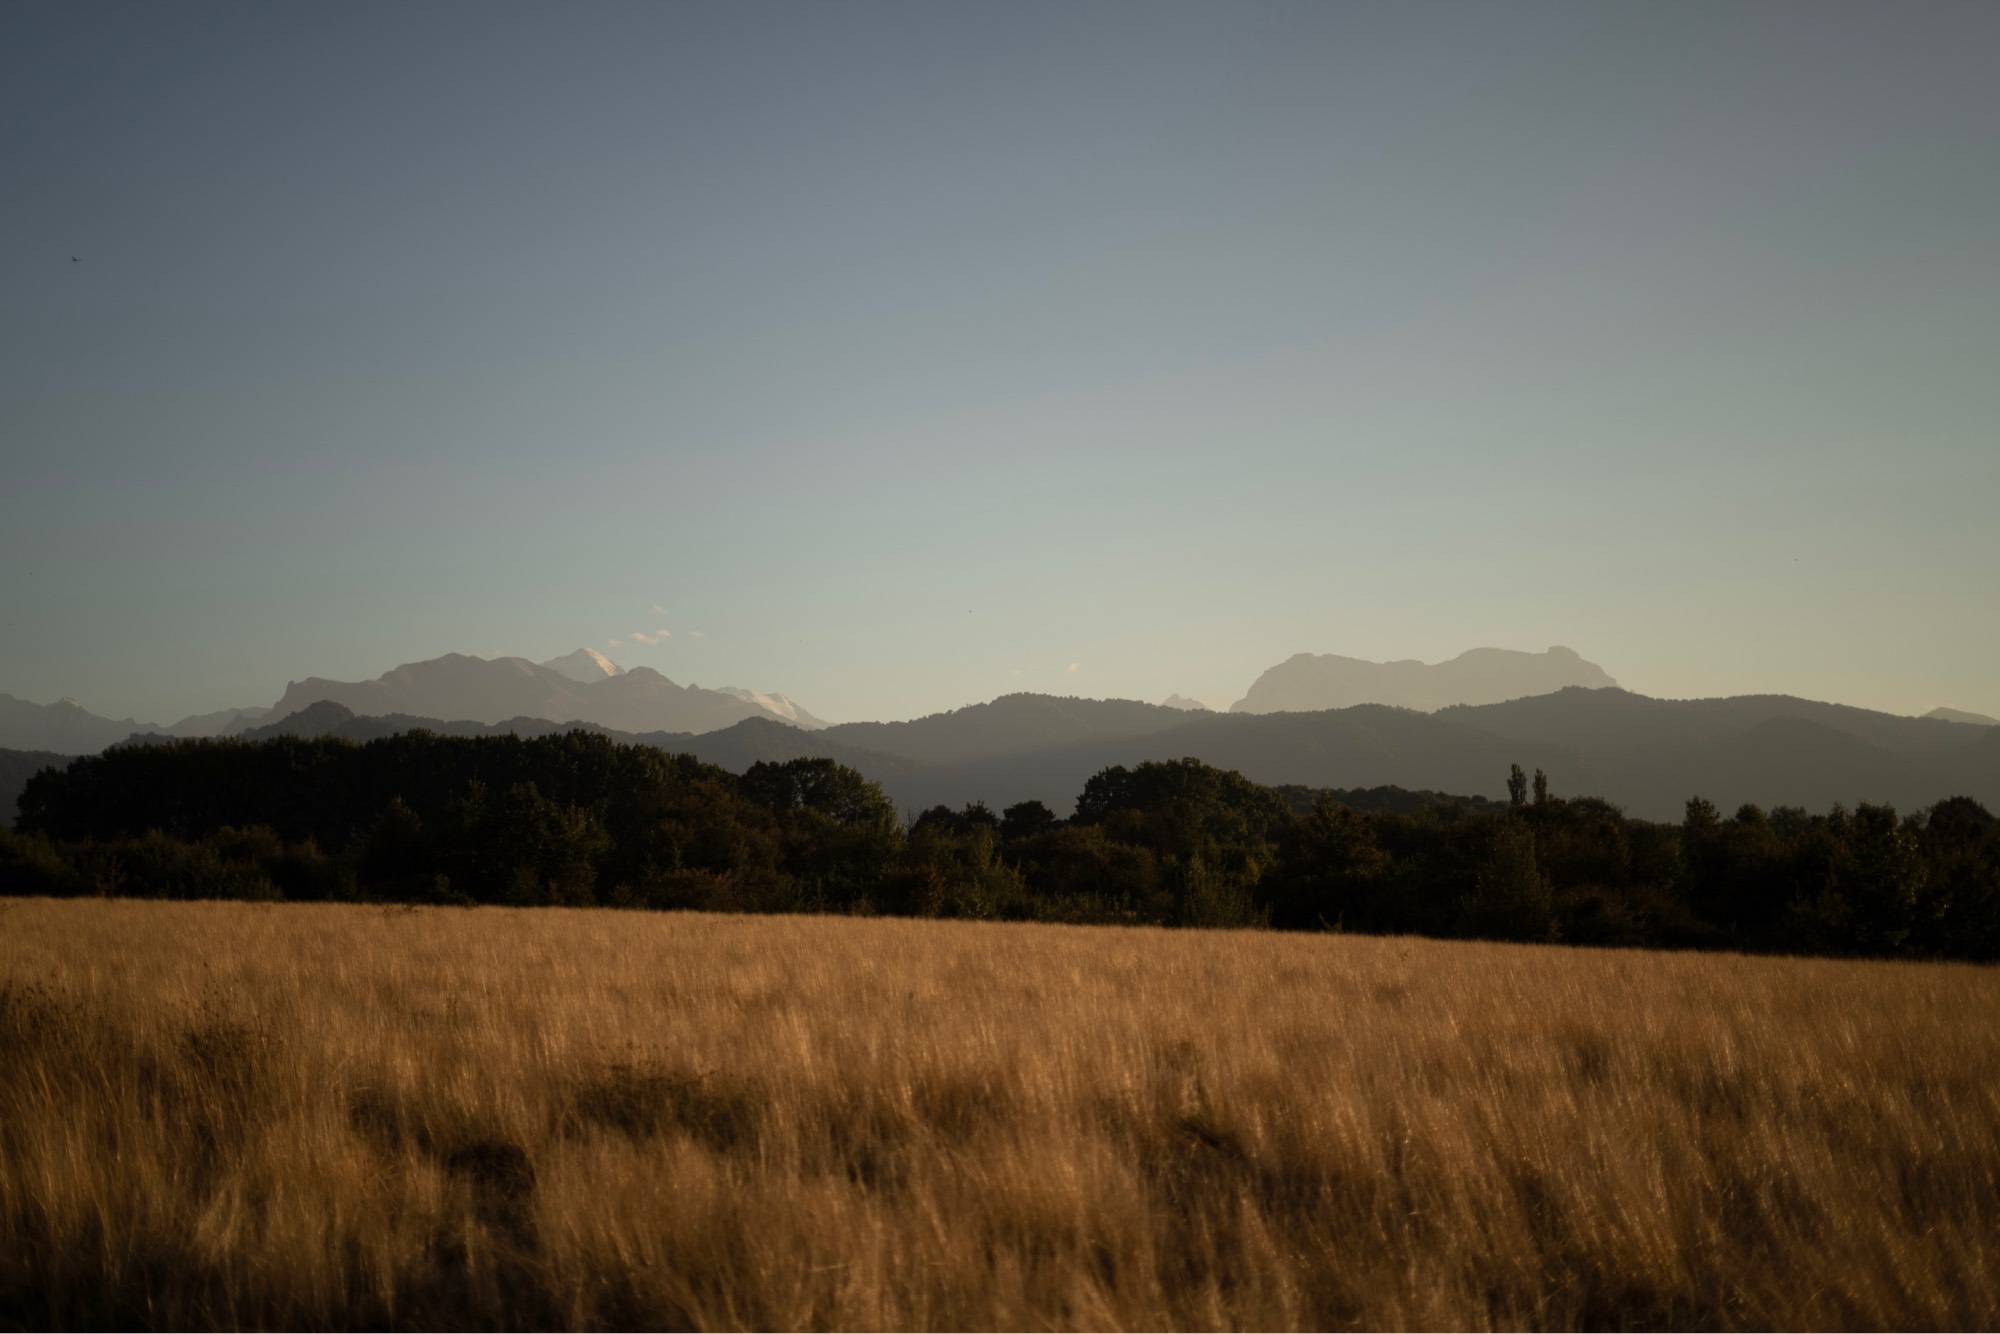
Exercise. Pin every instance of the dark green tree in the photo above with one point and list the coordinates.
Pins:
(1335, 874)
(1510, 899)
(1961, 846)
(819, 785)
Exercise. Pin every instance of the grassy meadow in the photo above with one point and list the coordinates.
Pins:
(248, 1115)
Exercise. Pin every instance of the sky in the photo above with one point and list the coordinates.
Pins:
(901, 356)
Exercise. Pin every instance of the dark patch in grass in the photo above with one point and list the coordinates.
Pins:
(1712, 1094)
(373, 1117)
(502, 1181)
(497, 1173)
(641, 1102)
(1587, 1057)
(228, 1061)
(956, 1108)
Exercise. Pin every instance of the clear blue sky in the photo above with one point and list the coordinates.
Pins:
(914, 354)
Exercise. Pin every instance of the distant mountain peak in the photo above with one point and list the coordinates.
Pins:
(1307, 682)
(1186, 705)
(586, 665)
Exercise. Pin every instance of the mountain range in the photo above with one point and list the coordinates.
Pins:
(67, 728)
(584, 686)
(588, 666)
(1647, 755)
(492, 690)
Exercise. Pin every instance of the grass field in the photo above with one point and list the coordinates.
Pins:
(249, 1115)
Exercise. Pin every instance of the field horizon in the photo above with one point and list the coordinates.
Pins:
(255, 1115)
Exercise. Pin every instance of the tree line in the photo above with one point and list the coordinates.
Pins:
(578, 819)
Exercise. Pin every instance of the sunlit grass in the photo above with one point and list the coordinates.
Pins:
(248, 1115)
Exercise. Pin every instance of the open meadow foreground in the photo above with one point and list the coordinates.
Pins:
(309, 1116)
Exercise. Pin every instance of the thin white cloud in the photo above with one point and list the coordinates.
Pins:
(658, 636)
(1017, 671)
(697, 634)
(658, 610)
(1071, 669)
(616, 643)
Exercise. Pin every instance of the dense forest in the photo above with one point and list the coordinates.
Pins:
(579, 819)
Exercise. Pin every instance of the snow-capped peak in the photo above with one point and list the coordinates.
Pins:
(777, 704)
(586, 665)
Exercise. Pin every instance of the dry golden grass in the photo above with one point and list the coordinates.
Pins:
(346, 1116)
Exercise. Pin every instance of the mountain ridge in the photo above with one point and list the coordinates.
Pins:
(66, 727)
(583, 686)
(580, 686)
(1308, 683)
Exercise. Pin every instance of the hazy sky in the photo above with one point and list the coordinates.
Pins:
(914, 354)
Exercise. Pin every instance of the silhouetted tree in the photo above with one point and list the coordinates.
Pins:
(1026, 819)
(1961, 845)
